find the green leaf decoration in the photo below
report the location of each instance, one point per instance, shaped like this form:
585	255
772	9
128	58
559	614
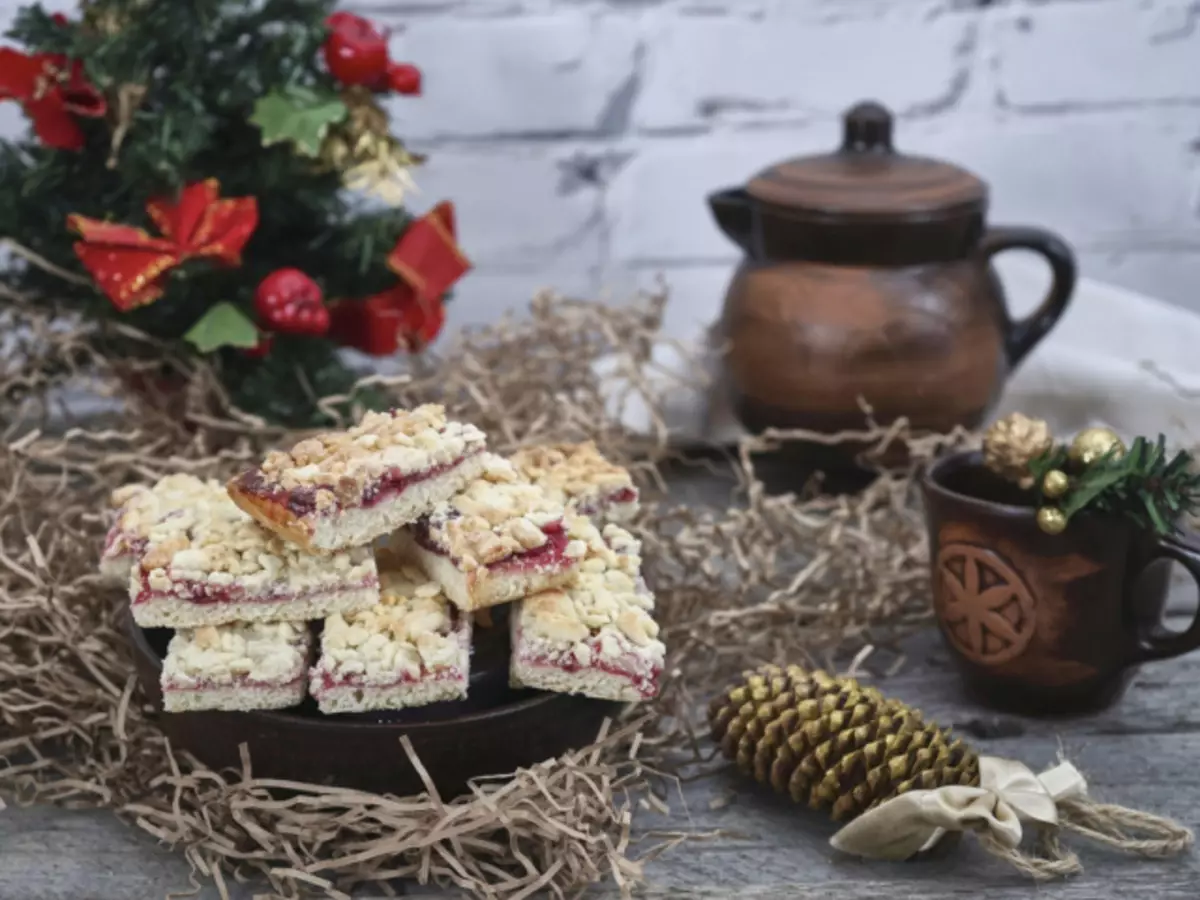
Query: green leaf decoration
222	326
299	115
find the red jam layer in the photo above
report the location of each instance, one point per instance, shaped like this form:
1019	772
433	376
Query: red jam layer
551	555
302	501
645	684
548	556
201	593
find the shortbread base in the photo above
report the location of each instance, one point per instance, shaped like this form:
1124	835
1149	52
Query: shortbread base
595	683
234	698
483	587
173	612
352	698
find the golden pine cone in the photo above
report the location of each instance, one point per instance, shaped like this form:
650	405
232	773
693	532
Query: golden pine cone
832	743
1012	443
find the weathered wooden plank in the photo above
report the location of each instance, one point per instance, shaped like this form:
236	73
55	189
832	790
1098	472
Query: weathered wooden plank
52	854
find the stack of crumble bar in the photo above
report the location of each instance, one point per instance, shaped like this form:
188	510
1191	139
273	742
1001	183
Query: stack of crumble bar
374	549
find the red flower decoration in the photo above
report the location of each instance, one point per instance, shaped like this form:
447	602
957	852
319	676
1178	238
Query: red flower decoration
52	90
356	52
427	256
130	266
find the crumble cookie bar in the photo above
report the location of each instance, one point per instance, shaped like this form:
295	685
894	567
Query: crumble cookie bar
211	564
597	637
344	489
502	538
139	507
579	477
242	666
413	649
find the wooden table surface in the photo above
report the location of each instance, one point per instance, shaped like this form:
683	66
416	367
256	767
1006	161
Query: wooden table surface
1144	752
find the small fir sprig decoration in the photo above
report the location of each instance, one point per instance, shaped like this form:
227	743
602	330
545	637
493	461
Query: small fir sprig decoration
1097	473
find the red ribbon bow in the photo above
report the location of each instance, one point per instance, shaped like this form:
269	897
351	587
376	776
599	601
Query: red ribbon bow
52	90
427	256
129	265
410	315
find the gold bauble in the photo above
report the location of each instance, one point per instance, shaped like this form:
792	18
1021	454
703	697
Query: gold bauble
1092	444
1055	483
1051	520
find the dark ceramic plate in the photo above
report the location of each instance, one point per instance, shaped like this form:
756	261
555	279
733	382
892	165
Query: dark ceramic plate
494	731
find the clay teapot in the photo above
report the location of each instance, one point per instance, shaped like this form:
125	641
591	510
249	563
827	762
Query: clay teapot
868	277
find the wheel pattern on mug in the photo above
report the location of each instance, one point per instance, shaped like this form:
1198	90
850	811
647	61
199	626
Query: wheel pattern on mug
986	609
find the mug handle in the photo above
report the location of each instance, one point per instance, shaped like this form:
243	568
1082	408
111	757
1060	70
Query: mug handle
1022	335
1153	641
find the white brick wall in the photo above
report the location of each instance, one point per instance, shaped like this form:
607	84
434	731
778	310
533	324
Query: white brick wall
580	137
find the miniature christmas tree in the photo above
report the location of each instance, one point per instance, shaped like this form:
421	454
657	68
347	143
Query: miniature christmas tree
188	164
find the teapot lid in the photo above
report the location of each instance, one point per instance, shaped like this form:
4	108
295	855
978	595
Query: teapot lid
867	179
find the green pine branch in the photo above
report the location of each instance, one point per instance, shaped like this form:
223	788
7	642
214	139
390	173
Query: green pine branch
1144	485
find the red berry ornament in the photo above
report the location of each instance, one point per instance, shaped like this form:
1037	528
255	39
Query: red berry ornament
404	78
290	302
355	51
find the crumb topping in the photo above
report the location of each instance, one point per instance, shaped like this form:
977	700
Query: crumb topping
612	550
257	651
141	506
572	473
496	516
217	543
410	630
606	614
342	464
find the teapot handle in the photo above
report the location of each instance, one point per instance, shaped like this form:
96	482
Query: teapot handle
1022	335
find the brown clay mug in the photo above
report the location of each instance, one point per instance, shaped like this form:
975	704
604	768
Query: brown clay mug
1043	623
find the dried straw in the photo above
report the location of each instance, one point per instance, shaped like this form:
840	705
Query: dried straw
768	578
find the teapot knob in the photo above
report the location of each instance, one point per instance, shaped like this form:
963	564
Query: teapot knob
867	127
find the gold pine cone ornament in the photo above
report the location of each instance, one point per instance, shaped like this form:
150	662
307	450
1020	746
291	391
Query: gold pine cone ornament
1012	443
831	743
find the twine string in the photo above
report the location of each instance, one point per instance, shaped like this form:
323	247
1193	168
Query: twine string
1127	830
1117	827
1053	861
